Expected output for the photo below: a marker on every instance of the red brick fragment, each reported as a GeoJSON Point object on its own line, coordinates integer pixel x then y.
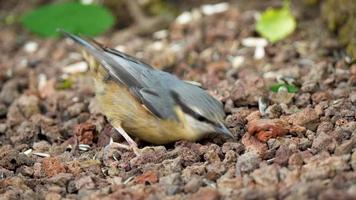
{"type": "Point", "coordinates": [52, 166]}
{"type": "Point", "coordinates": [85, 133]}
{"type": "Point", "coordinates": [147, 177]}
{"type": "Point", "coordinates": [264, 129]}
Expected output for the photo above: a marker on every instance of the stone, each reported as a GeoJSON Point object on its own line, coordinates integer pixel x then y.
{"type": "Point", "coordinates": [247, 162]}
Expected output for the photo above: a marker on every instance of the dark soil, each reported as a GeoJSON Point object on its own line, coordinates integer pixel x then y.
{"type": "Point", "coordinates": [302, 145]}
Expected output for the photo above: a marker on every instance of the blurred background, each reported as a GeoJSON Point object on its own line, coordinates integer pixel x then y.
{"type": "Point", "coordinates": [147, 16]}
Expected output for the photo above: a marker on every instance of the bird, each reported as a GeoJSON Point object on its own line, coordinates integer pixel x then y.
{"type": "Point", "coordinates": [150, 104]}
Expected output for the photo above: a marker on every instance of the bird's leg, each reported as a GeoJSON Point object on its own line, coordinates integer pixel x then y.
{"type": "Point", "coordinates": [129, 140]}
{"type": "Point", "coordinates": [132, 144]}
{"type": "Point", "coordinates": [113, 144]}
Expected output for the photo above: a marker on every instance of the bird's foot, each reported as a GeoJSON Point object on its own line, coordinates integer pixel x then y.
{"type": "Point", "coordinates": [132, 143]}
{"type": "Point", "coordinates": [116, 145]}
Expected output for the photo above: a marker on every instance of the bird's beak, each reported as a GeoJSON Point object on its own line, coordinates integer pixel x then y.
{"type": "Point", "coordinates": [221, 128]}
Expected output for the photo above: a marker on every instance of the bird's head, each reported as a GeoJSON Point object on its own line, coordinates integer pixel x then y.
{"type": "Point", "coordinates": [204, 127]}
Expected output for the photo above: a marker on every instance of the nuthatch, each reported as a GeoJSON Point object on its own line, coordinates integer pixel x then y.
{"type": "Point", "coordinates": [147, 103]}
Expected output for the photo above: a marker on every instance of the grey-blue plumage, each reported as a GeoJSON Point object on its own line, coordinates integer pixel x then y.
{"type": "Point", "coordinates": [159, 91]}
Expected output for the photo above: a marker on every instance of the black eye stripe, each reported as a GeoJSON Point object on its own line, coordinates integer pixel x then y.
{"type": "Point", "coordinates": [200, 118]}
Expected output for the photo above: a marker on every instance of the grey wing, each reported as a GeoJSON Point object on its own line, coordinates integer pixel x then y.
{"type": "Point", "coordinates": [146, 83]}
{"type": "Point", "coordinates": [161, 106]}
{"type": "Point", "coordinates": [160, 92]}
{"type": "Point", "coordinates": [157, 90]}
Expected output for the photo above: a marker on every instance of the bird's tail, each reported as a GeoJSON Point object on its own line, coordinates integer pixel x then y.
{"type": "Point", "coordinates": [93, 53]}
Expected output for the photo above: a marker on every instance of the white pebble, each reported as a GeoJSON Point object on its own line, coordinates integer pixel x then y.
{"type": "Point", "coordinates": [23, 63]}
{"type": "Point", "coordinates": [86, 2]}
{"type": "Point", "coordinates": [254, 42]}
{"type": "Point", "coordinates": [259, 52]}
{"type": "Point", "coordinates": [75, 56]}
{"type": "Point", "coordinates": [74, 68]}
{"type": "Point", "coordinates": [159, 35]}
{"type": "Point", "coordinates": [176, 47]}
{"type": "Point", "coordinates": [211, 9]}
{"type": "Point", "coordinates": [157, 46]}
{"type": "Point", "coordinates": [121, 48]}
{"type": "Point", "coordinates": [27, 152]}
{"type": "Point", "coordinates": [42, 154]}
{"type": "Point", "coordinates": [64, 76]}
{"type": "Point", "coordinates": [237, 61]}
{"type": "Point", "coordinates": [31, 47]}
{"type": "Point", "coordinates": [42, 81]}
{"type": "Point", "coordinates": [283, 89]}
{"type": "Point", "coordinates": [184, 18]}
{"type": "Point", "coordinates": [194, 83]}
{"type": "Point", "coordinates": [258, 43]}
{"type": "Point", "coordinates": [270, 75]}
{"type": "Point", "coordinates": [75, 99]}
{"type": "Point", "coordinates": [196, 14]}
{"type": "Point", "coordinates": [262, 106]}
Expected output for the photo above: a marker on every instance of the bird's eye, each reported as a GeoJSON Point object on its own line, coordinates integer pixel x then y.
{"type": "Point", "coordinates": [201, 118]}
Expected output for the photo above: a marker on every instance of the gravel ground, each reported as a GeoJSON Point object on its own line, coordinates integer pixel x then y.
{"type": "Point", "coordinates": [289, 146]}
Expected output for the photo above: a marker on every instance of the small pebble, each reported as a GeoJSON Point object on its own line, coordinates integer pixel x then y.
{"type": "Point", "coordinates": [74, 68]}
{"type": "Point", "coordinates": [31, 47]}
{"type": "Point", "coordinates": [247, 162]}
{"type": "Point", "coordinates": [211, 9]}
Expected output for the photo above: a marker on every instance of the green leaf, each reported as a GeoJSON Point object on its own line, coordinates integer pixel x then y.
{"type": "Point", "coordinates": [290, 88]}
{"type": "Point", "coordinates": [276, 24]}
{"type": "Point", "coordinates": [76, 18]}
